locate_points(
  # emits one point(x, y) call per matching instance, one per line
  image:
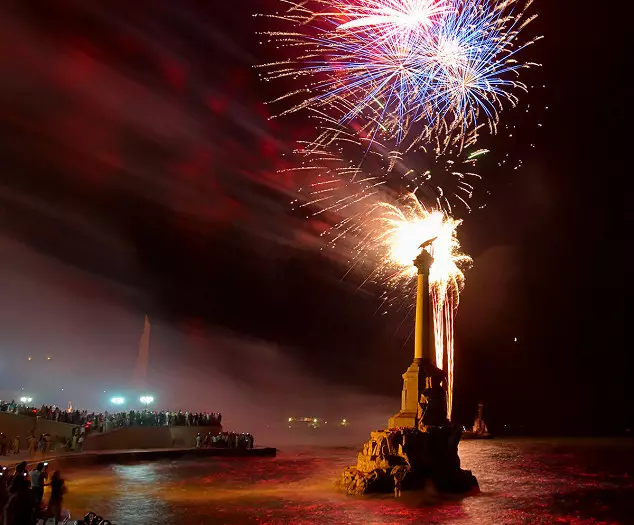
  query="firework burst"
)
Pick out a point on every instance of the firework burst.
point(403, 64)
point(400, 90)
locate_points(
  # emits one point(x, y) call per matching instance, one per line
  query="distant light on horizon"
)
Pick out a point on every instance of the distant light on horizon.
point(117, 400)
point(515, 339)
point(24, 399)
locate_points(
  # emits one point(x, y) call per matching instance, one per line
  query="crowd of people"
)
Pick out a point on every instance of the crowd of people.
point(22, 495)
point(132, 418)
point(44, 444)
point(225, 440)
point(87, 423)
point(106, 420)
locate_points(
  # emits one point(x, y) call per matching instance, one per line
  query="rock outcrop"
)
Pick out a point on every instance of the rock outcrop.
point(409, 459)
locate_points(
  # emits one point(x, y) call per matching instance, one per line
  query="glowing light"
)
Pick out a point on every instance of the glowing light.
point(146, 400)
point(24, 399)
point(29, 358)
point(117, 400)
point(397, 15)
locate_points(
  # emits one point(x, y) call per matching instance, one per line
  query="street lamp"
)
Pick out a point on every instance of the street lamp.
point(26, 399)
point(146, 400)
point(117, 400)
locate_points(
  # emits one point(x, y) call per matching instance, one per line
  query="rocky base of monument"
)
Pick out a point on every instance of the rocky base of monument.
point(409, 459)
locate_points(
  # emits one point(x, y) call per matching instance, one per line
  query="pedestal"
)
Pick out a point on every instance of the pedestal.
point(409, 398)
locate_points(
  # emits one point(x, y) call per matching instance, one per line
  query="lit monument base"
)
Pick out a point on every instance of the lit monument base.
point(409, 459)
point(419, 451)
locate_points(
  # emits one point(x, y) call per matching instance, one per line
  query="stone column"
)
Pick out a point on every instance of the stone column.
point(423, 346)
point(423, 330)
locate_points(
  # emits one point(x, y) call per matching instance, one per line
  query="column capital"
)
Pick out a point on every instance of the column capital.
point(423, 262)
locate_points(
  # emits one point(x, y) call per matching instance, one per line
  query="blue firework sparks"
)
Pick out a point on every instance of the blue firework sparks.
point(404, 65)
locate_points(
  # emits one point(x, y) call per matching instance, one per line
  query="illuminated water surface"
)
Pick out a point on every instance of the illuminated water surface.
point(523, 481)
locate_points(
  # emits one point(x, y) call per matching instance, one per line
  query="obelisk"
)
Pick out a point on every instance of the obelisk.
point(423, 345)
point(140, 372)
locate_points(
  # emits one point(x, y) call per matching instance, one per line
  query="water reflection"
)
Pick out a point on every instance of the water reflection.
point(522, 481)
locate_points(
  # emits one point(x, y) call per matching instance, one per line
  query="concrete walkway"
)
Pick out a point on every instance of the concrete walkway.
point(12, 460)
point(131, 455)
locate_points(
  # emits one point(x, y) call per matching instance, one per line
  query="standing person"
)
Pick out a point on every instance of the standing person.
point(58, 489)
point(3, 444)
point(4, 491)
point(20, 478)
point(16, 445)
point(38, 480)
point(32, 442)
point(198, 440)
point(19, 508)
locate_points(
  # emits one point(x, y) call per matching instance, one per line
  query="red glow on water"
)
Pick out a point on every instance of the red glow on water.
point(520, 484)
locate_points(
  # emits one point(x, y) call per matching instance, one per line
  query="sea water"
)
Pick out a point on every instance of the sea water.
point(522, 481)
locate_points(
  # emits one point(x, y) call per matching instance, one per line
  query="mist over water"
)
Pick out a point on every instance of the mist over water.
point(91, 327)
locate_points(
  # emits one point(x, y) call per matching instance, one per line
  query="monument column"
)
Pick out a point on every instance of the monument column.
point(423, 345)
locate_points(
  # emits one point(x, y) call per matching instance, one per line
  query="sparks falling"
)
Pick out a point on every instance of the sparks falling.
point(343, 167)
point(391, 236)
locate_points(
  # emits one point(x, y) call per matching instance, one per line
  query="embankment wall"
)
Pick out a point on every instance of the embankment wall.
point(12, 426)
point(147, 437)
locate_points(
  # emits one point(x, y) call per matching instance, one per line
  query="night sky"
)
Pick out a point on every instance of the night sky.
point(140, 174)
